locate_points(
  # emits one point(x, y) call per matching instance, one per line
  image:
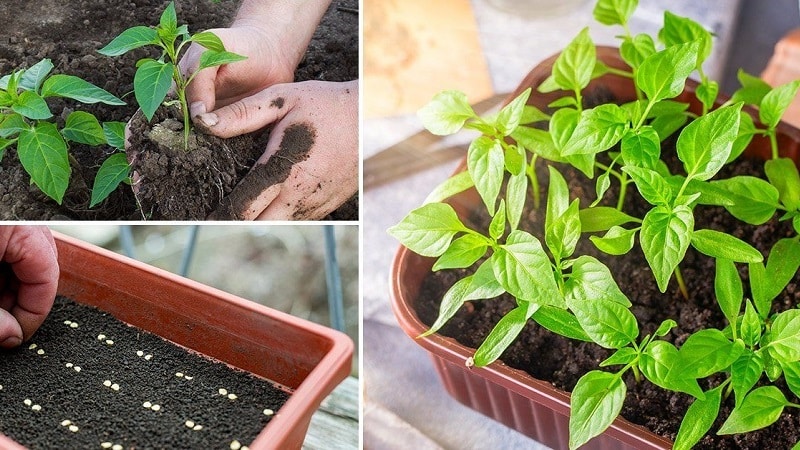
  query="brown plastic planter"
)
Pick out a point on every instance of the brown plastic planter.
point(510, 396)
point(309, 360)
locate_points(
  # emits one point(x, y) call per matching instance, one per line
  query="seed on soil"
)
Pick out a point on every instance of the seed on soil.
point(189, 424)
point(109, 342)
point(197, 427)
point(117, 447)
point(268, 412)
point(236, 445)
point(71, 324)
point(223, 391)
point(115, 387)
point(148, 357)
point(69, 365)
point(188, 377)
point(1, 387)
point(27, 402)
point(73, 428)
point(40, 352)
point(139, 353)
point(101, 336)
point(77, 368)
point(36, 407)
point(156, 407)
point(107, 383)
point(106, 445)
point(232, 396)
point(32, 346)
point(66, 423)
point(147, 404)
point(179, 374)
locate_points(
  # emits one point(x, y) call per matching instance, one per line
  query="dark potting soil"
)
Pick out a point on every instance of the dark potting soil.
point(70, 33)
point(562, 362)
point(145, 368)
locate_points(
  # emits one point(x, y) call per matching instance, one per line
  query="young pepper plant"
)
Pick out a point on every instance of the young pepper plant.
point(154, 77)
point(42, 148)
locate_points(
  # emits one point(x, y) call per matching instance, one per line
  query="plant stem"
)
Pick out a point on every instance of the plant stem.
point(185, 110)
point(621, 73)
point(681, 283)
point(531, 170)
point(773, 142)
point(623, 189)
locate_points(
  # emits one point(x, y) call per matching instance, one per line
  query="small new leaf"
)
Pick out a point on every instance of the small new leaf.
point(596, 401)
point(776, 102)
point(662, 75)
point(722, 245)
point(664, 237)
point(698, 419)
point(523, 269)
point(429, 229)
point(446, 113)
point(462, 252)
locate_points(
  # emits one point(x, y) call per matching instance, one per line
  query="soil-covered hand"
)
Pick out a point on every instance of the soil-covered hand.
point(28, 281)
point(310, 166)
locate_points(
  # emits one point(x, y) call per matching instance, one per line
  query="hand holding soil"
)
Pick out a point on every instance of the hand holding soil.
point(28, 281)
point(310, 166)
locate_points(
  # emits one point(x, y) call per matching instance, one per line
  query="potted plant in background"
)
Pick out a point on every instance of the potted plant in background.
point(654, 163)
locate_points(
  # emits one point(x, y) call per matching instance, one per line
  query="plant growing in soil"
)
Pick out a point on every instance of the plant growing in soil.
point(577, 296)
point(154, 77)
point(26, 122)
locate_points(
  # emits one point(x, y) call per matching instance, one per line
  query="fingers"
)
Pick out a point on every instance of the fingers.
point(201, 92)
point(10, 331)
point(249, 114)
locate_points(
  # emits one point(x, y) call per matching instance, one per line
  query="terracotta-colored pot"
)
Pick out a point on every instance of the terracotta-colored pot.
point(307, 359)
point(510, 396)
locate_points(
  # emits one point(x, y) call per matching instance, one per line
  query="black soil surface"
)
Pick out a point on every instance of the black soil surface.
point(70, 33)
point(86, 399)
point(562, 362)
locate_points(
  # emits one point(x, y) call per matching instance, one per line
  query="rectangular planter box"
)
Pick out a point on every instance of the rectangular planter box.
point(307, 359)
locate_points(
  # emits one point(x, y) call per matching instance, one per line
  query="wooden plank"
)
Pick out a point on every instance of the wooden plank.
point(335, 424)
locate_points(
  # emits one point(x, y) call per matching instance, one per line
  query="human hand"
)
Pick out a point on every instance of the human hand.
point(28, 281)
point(315, 138)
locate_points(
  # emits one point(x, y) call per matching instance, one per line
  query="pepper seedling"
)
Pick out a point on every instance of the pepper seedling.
point(154, 77)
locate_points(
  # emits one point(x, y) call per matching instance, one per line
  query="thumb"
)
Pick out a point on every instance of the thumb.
point(248, 114)
point(10, 330)
point(201, 92)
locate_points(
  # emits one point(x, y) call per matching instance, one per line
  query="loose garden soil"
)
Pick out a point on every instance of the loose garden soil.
point(70, 33)
point(550, 357)
point(72, 373)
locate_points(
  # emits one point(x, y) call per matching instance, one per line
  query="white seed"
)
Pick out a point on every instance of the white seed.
point(27, 402)
point(469, 362)
point(73, 428)
point(117, 447)
point(1, 387)
point(77, 368)
point(101, 336)
point(115, 386)
point(197, 427)
point(189, 424)
point(236, 445)
point(36, 407)
point(156, 407)
point(40, 352)
point(106, 445)
point(232, 396)
point(109, 342)
point(244, 447)
point(73, 325)
point(66, 423)
point(147, 404)
point(148, 357)
point(107, 383)
point(69, 365)
point(223, 391)
point(32, 346)
point(188, 377)
point(139, 353)
point(268, 412)
point(67, 322)
point(179, 374)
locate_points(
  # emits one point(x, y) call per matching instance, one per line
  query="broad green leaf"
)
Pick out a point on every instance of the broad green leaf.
point(706, 352)
point(486, 164)
point(169, 18)
point(151, 84)
point(565, 232)
point(560, 321)
point(641, 148)
point(751, 325)
point(698, 419)
point(557, 199)
point(666, 125)
point(635, 50)
point(784, 336)
point(602, 218)
point(659, 360)
point(782, 173)
point(617, 241)
point(514, 158)
point(537, 141)
point(776, 102)
point(130, 39)
point(516, 194)
point(705, 144)
point(664, 238)
point(747, 130)
point(745, 373)
point(562, 126)
point(462, 252)
point(510, 115)
point(707, 93)
point(34, 76)
point(598, 129)
point(209, 40)
point(523, 269)
point(590, 280)
point(573, 67)
point(710, 194)
point(84, 128)
point(43, 153)
point(498, 224)
point(728, 289)
point(791, 373)
point(761, 408)
point(532, 114)
point(446, 113)
point(607, 322)
point(429, 229)
point(772, 367)
point(115, 134)
point(32, 105)
point(614, 12)
point(681, 30)
point(754, 200)
point(722, 245)
point(596, 401)
point(651, 185)
point(621, 357)
point(782, 264)
point(662, 75)
point(210, 58)
point(113, 171)
point(13, 124)
point(752, 91)
point(503, 334)
point(77, 89)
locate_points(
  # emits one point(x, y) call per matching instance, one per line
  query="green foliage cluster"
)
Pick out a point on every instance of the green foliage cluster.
point(576, 295)
point(27, 123)
point(154, 77)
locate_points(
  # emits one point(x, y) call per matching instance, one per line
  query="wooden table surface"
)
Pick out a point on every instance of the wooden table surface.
point(335, 424)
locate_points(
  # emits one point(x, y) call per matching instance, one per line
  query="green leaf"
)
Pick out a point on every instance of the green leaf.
point(34, 76)
point(532, 114)
point(621, 357)
point(617, 241)
point(113, 171)
point(705, 144)
point(664, 238)
point(707, 93)
point(151, 84)
point(782, 173)
point(514, 157)
point(607, 322)
point(557, 198)
point(84, 128)
point(462, 252)
point(681, 30)
point(698, 419)
point(668, 124)
point(169, 19)
point(516, 194)
point(601, 186)
point(641, 148)
point(761, 408)
point(459, 182)
point(209, 40)
point(658, 362)
point(745, 373)
point(13, 124)
point(562, 238)
point(635, 50)
point(210, 58)
point(560, 321)
point(791, 373)
point(665, 327)
point(776, 102)
point(486, 164)
point(573, 67)
point(752, 91)
point(728, 289)
point(5, 143)
point(562, 126)
point(498, 224)
point(663, 74)
point(537, 141)
point(614, 12)
point(428, 229)
point(130, 39)
point(747, 130)
point(754, 200)
point(446, 113)
point(598, 129)
point(523, 269)
point(32, 106)
point(510, 115)
point(596, 401)
point(772, 367)
point(722, 245)
point(114, 133)
point(706, 352)
point(651, 185)
point(503, 334)
point(77, 89)
point(782, 264)
point(751, 325)
point(43, 153)
point(602, 218)
point(784, 336)
point(590, 279)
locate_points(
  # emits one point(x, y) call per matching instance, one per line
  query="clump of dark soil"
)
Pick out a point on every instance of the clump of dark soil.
point(70, 33)
point(562, 362)
point(78, 379)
